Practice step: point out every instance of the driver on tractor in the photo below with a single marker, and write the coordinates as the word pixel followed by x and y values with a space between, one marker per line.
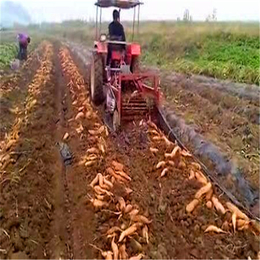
pixel 116 33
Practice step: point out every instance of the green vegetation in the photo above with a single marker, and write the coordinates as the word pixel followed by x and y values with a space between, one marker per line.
pixel 205 48
pixel 225 50
pixel 7 53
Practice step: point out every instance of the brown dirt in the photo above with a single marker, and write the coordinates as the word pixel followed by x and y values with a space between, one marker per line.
pixel 231 122
pixel 45 211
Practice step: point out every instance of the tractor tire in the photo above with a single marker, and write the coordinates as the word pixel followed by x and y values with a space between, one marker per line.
pixel 135 66
pixel 96 80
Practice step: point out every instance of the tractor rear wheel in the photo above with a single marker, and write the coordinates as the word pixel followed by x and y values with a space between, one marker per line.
pixel 96 79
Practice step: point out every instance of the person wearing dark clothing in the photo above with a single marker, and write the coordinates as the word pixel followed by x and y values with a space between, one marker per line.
pixel 23 40
pixel 116 29
pixel 116 33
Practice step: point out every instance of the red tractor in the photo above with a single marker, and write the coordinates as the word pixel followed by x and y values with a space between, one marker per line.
pixel 127 93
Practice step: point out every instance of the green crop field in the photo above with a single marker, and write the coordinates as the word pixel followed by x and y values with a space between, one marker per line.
pixel 225 50
pixel 8 52
pixel 218 50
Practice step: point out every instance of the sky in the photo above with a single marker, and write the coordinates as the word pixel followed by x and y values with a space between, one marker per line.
pixel 227 10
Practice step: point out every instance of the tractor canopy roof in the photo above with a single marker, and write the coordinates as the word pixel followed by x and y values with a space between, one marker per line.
pixel 123 4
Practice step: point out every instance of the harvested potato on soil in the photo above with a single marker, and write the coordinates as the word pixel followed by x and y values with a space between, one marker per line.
pixel 238 212
pixel 192 205
pixel 219 207
pixel 117 166
pixel 213 228
pixel 129 231
pixel 203 190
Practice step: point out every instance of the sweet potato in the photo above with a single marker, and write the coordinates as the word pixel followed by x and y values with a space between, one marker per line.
pixel 192 174
pixel 101 147
pixel 219 207
pixel 238 212
pixel 151 124
pixel 99 204
pixel 80 129
pixel 101 191
pixel 171 163
pixel 122 252
pixel 108 255
pixel 209 204
pixel 89 163
pixel 213 228
pixel 192 205
pixel 108 183
pixel 114 248
pixel 203 190
pixel 116 176
pixel 156 138
pixel 137 257
pixel 145 234
pixel 124 175
pixel 81 109
pixel 122 204
pixel 100 130
pixel 201 178
pixel 128 190
pixel 113 230
pixel 234 221
pixel 100 197
pixel 186 153
pixel 196 166
pixel 209 194
pixel 66 136
pixel 152 131
pixel 164 171
pixel 173 153
pixel 181 165
pixel 128 208
pixel 93 150
pixel 95 180
pixel 129 231
pixel 154 150
pixel 79 115
pixel 167 141
pixel 160 164
pixel 117 166
pixel 141 219
pixel 133 213
pixel 242 224
pixel 92 157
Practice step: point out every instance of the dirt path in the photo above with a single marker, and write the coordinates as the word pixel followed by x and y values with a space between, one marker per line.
pixel 45 206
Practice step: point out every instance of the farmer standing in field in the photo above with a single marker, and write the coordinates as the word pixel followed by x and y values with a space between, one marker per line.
pixel 116 32
pixel 23 40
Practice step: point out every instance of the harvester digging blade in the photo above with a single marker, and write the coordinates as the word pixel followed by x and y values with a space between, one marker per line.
pixel 136 108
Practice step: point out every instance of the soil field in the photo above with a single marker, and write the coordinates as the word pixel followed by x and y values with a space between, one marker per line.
pixel 65 181
pixel 224 113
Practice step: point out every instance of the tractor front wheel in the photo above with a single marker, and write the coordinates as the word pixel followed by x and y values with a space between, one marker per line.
pixel 96 79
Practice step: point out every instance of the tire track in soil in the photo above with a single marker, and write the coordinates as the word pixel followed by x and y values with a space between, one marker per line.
pixel 59 245
pixel 81 221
